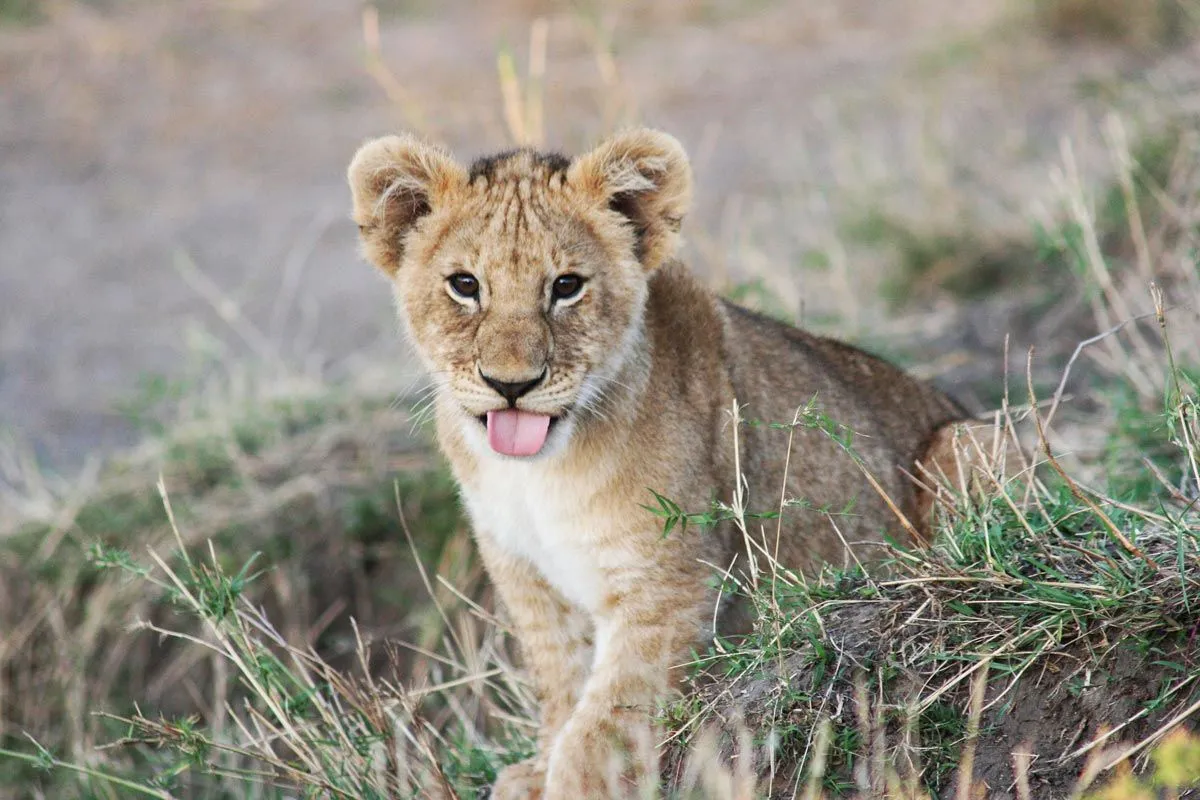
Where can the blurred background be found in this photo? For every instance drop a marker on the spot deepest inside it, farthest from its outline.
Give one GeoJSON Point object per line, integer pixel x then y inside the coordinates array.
{"type": "Point", "coordinates": [945, 182]}
{"type": "Point", "coordinates": [173, 172]}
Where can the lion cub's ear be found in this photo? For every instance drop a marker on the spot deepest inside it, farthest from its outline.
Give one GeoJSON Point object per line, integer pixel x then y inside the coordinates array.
{"type": "Point", "coordinates": [395, 181]}
{"type": "Point", "coordinates": [643, 175]}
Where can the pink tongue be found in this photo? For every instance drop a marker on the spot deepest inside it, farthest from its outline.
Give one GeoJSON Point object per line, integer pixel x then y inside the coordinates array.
{"type": "Point", "coordinates": [517, 433]}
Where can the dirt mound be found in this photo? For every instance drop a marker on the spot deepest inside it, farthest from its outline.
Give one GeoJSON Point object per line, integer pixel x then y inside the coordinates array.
{"type": "Point", "coordinates": [1087, 652]}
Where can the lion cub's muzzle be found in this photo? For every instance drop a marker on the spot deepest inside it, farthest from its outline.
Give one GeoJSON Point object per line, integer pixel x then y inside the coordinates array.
{"type": "Point", "coordinates": [514, 431]}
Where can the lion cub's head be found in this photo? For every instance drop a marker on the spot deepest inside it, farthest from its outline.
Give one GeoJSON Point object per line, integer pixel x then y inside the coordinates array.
{"type": "Point", "coordinates": [522, 279]}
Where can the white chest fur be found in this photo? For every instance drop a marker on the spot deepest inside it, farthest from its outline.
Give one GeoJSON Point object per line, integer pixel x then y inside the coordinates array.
{"type": "Point", "coordinates": [531, 512]}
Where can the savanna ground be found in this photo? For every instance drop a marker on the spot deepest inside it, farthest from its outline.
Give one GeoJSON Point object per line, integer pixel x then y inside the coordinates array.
{"type": "Point", "coordinates": [949, 185]}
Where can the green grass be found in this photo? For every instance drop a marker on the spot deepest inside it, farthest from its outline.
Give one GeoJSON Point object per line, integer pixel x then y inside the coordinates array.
{"type": "Point", "coordinates": [1142, 452]}
{"type": "Point", "coordinates": [20, 12]}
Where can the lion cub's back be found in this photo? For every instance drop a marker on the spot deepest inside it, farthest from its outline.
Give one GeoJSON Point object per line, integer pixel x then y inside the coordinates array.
{"type": "Point", "coordinates": [796, 364]}
{"type": "Point", "coordinates": [776, 369]}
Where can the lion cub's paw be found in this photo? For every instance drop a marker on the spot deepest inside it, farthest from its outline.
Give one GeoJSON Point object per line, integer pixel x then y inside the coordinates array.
{"type": "Point", "coordinates": [601, 758]}
{"type": "Point", "coordinates": [521, 781]}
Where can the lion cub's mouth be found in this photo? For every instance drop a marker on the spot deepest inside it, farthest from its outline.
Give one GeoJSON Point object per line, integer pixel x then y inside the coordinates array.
{"type": "Point", "coordinates": [513, 432]}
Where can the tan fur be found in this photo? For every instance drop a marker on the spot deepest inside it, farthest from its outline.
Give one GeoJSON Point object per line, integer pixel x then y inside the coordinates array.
{"type": "Point", "coordinates": [954, 462]}
{"type": "Point", "coordinates": [643, 369]}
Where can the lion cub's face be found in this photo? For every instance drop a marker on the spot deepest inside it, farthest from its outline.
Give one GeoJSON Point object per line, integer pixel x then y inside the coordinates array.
{"type": "Point", "coordinates": [522, 280]}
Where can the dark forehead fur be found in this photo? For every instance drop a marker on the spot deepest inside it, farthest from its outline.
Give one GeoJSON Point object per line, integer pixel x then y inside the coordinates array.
{"type": "Point", "coordinates": [517, 161]}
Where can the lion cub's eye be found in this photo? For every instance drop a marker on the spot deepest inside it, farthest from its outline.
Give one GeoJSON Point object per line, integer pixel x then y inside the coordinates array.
{"type": "Point", "coordinates": [566, 287]}
{"type": "Point", "coordinates": [464, 285]}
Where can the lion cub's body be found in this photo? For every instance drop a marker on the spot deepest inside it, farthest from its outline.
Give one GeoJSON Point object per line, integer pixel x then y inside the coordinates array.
{"type": "Point", "coordinates": [638, 372]}
{"type": "Point", "coordinates": [558, 514]}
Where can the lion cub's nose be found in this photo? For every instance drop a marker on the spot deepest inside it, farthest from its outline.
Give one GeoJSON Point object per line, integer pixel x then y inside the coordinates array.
{"type": "Point", "coordinates": [512, 390]}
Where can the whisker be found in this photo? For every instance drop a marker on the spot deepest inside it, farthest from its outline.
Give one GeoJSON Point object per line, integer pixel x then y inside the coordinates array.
{"type": "Point", "coordinates": [593, 406]}
{"type": "Point", "coordinates": [612, 381]}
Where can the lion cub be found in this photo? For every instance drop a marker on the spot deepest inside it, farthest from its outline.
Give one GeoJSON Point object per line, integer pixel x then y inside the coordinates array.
{"type": "Point", "coordinates": [578, 366]}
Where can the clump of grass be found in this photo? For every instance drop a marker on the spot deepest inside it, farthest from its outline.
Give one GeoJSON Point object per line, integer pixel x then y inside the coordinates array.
{"type": "Point", "coordinates": [961, 262]}
{"type": "Point", "coordinates": [1143, 454]}
{"type": "Point", "coordinates": [307, 484]}
{"type": "Point", "coordinates": [291, 721]}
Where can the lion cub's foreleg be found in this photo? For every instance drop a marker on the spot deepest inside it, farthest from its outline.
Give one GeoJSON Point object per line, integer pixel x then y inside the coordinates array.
{"type": "Point", "coordinates": [556, 644]}
{"type": "Point", "coordinates": [608, 747]}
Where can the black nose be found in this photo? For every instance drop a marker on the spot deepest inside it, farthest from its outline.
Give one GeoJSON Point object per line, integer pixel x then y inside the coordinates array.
{"type": "Point", "coordinates": [511, 391]}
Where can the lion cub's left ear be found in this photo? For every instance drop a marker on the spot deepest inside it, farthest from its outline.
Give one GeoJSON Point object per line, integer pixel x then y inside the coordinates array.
{"type": "Point", "coordinates": [395, 182]}
{"type": "Point", "coordinates": [643, 175]}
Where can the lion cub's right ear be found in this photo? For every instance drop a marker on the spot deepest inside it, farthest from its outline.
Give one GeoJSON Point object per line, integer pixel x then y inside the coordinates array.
{"type": "Point", "coordinates": [395, 181]}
